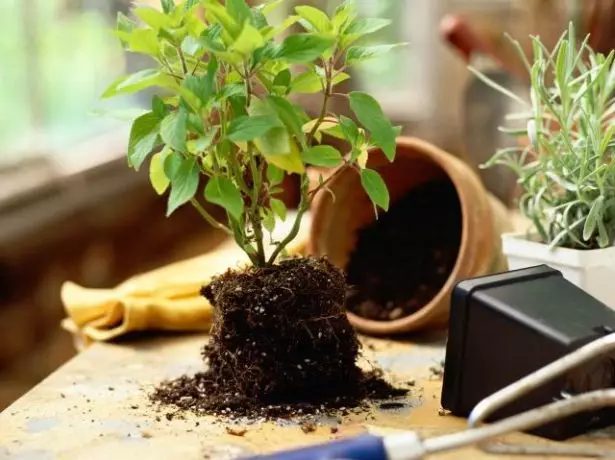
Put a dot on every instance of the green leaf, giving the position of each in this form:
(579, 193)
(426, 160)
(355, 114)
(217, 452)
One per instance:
(191, 4)
(191, 46)
(290, 114)
(133, 83)
(603, 235)
(223, 192)
(370, 115)
(275, 31)
(344, 14)
(143, 138)
(268, 220)
(313, 81)
(194, 124)
(594, 215)
(274, 175)
(304, 48)
(201, 144)
(268, 7)
(184, 185)
(239, 10)
(490, 82)
(266, 52)
(216, 13)
(259, 20)
(279, 208)
(322, 155)
(276, 141)
(290, 162)
(283, 78)
(376, 189)
(153, 18)
(173, 130)
(144, 41)
(339, 78)
(350, 130)
(159, 107)
(167, 6)
(248, 40)
(123, 23)
(358, 54)
(307, 82)
(315, 18)
(365, 26)
(246, 128)
(172, 163)
(159, 180)
(210, 38)
(197, 85)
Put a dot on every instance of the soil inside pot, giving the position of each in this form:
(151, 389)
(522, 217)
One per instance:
(403, 259)
(280, 346)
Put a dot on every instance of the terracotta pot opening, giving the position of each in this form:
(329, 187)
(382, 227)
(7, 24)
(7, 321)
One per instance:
(336, 225)
(400, 262)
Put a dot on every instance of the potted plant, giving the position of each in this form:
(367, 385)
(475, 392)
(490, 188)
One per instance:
(403, 271)
(565, 164)
(225, 131)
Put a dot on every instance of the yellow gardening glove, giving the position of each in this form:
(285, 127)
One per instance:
(164, 299)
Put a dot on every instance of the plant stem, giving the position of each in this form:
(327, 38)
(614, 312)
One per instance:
(183, 60)
(253, 213)
(255, 217)
(304, 205)
(209, 218)
(312, 193)
(325, 102)
(240, 239)
(306, 195)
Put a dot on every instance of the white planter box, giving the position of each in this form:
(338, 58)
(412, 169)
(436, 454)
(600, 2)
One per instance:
(593, 270)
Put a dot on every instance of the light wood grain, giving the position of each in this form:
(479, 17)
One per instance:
(96, 408)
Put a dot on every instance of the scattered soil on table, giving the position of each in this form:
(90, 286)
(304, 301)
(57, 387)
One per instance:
(281, 346)
(403, 259)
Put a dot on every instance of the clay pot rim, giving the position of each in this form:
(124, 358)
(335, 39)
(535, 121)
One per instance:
(408, 146)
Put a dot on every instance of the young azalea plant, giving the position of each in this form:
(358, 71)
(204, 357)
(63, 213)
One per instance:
(223, 126)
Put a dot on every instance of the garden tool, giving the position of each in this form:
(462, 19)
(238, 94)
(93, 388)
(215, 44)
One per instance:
(409, 446)
(518, 303)
(484, 108)
(599, 351)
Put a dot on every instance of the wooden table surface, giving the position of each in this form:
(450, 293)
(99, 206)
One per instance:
(96, 407)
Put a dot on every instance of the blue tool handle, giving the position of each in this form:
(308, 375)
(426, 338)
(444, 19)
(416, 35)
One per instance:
(364, 447)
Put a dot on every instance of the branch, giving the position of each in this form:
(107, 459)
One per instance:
(209, 218)
(182, 58)
(312, 193)
(304, 205)
(325, 102)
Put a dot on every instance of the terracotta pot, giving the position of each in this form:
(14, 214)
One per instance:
(335, 223)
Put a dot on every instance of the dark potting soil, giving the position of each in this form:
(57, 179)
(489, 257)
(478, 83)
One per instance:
(281, 346)
(404, 258)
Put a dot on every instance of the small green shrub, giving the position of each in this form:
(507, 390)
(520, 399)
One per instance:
(226, 129)
(567, 170)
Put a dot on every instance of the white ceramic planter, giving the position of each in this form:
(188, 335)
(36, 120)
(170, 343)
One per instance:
(593, 271)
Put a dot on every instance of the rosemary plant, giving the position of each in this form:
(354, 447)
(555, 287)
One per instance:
(567, 168)
(226, 130)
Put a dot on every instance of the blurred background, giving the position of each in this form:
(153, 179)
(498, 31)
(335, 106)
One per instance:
(70, 209)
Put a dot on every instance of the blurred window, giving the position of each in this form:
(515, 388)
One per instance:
(402, 80)
(57, 56)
